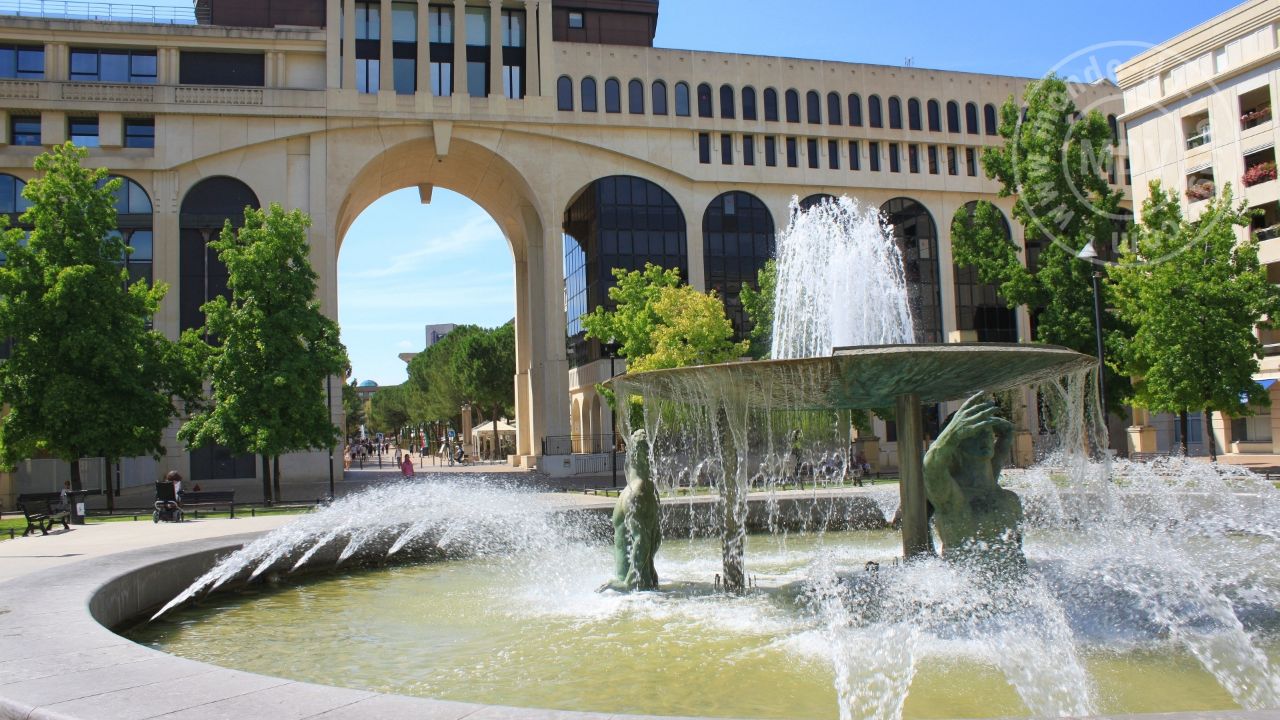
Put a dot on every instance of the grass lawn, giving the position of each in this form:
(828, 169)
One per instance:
(17, 523)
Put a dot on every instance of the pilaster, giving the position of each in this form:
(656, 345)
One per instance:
(386, 62)
(349, 44)
(460, 48)
(532, 74)
(333, 43)
(423, 35)
(495, 48)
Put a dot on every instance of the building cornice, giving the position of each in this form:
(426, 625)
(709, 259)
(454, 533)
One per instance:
(1199, 40)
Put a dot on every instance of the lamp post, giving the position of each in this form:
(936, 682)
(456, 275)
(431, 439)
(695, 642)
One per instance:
(611, 348)
(328, 397)
(1088, 254)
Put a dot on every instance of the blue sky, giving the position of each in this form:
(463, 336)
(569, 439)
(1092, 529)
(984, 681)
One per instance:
(404, 265)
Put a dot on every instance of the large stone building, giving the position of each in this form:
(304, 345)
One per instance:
(590, 148)
(1199, 114)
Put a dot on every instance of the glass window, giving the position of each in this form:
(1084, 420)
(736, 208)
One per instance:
(935, 116)
(478, 27)
(894, 160)
(588, 94)
(25, 62)
(917, 239)
(366, 75)
(813, 107)
(118, 66)
(811, 149)
(659, 97)
(477, 78)
(771, 151)
(440, 25)
(873, 156)
(793, 106)
(895, 113)
(993, 125)
(971, 118)
(441, 79)
(11, 200)
(404, 22)
(704, 148)
(131, 199)
(682, 99)
(834, 116)
(83, 131)
(793, 153)
(726, 149)
(971, 161)
(855, 162)
(405, 71)
(113, 67)
(564, 93)
(913, 158)
(612, 96)
(140, 132)
(953, 116)
(979, 306)
(576, 21)
(368, 21)
(513, 28)
(873, 110)
(738, 239)
(770, 105)
(933, 159)
(833, 154)
(704, 101)
(635, 97)
(855, 110)
(953, 167)
(748, 150)
(24, 130)
(749, 103)
(726, 102)
(913, 114)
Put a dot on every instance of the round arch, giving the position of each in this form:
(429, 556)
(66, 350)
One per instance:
(737, 240)
(816, 199)
(134, 223)
(979, 307)
(917, 238)
(12, 204)
(616, 221)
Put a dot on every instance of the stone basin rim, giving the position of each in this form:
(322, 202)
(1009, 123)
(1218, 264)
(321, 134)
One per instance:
(112, 671)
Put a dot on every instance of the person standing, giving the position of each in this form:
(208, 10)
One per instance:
(406, 466)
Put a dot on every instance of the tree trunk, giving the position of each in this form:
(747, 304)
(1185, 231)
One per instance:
(266, 480)
(75, 474)
(1183, 427)
(111, 495)
(275, 476)
(1208, 434)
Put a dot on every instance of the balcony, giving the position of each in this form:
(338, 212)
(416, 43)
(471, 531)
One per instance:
(1270, 232)
(1255, 108)
(1259, 167)
(105, 11)
(1196, 141)
(1200, 188)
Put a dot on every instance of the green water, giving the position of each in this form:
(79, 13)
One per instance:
(493, 631)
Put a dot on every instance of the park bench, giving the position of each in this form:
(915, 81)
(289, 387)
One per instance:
(1143, 457)
(42, 512)
(210, 498)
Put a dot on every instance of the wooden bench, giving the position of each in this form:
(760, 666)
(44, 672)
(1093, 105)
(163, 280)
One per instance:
(1143, 457)
(210, 498)
(41, 514)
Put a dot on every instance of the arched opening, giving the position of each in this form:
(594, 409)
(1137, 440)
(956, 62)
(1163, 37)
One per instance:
(917, 238)
(133, 223)
(913, 114)
(935, 116)
(727, 102)
(564, 93)
(979, 306)
(855, 110)
(816, 199)
(620, 221)
(770, 105)
(971, 118)
(12, 204)
(813, 107)
(793, 106)
(635, 97)
(704, 101)
(990, 119)
(612, 96)
(749, 103)
(875, 118)
(895, 113)
(737, 237)
(588, 94)
(682, 99)
(834, 116)
(659, 93)
(953, 116)
(201, 277)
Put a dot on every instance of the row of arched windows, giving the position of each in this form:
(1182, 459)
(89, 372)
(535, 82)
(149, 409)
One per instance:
(969, 120)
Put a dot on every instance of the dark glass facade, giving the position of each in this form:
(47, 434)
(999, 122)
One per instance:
(979, 306)
(738, 238)
(617, 222)
(917, 237)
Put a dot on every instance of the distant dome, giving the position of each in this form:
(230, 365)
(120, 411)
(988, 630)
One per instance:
(368, 383)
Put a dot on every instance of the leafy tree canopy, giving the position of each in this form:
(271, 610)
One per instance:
(86, 374)
(758, 305)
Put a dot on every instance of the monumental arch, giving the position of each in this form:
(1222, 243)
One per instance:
(589, 147)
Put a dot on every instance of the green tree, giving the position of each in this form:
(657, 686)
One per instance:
(1055, 163)
(433, 374)
(758, 305)
(389, 409)
(1194, 294)
(269, 346)
(352, 408)
(483, 367)
(86, 375)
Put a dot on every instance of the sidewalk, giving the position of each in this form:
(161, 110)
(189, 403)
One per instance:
(83, 542)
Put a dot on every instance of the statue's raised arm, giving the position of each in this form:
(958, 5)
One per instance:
(972, 513)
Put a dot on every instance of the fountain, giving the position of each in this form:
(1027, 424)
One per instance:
(1117, 587)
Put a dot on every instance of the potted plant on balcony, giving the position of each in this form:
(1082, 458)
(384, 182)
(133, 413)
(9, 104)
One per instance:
(1256, 116)
(1259, 173)
(1202, 190)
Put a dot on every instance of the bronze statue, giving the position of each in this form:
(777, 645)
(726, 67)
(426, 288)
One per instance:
(636, 530)
(974, 516)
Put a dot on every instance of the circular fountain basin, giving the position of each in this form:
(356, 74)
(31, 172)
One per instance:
(530, 630)
(870, 376)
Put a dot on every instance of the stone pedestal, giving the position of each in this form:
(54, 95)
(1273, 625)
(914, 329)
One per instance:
(1142, 438)
(915, 518)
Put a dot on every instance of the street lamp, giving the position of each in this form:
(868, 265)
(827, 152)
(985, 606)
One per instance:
(1088, 254)
(611, 348)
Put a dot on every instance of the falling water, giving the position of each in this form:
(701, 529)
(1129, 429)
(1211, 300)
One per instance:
(840, 282)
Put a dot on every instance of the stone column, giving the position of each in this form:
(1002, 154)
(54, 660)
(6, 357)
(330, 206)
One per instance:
(349, 44)
(460, 48)
(532, 76)
(424, 49)
(695, 258)
(495, 48)
(333, 43)
(386, 62)
(915, 519)
(545, 64)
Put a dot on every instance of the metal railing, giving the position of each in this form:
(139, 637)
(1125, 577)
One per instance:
(1196, 141)
(105, 11)
(572, 444)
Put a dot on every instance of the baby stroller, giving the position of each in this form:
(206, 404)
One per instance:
(167, 507)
